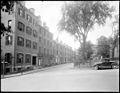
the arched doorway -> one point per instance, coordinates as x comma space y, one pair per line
8, 62
8, 58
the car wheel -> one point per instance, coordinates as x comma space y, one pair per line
114, 67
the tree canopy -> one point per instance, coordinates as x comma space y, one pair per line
103, 48
115, 26
88, 48
79, 17
6, 6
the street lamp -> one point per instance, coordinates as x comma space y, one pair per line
3, 62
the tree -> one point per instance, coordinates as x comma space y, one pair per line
6, 6
79, 17
115, 26
103, 48
115, 41
88, 48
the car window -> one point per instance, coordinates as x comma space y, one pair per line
105, 60
114, 64
106, 63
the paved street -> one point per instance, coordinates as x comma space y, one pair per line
64, 78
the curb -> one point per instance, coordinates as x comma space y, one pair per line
28, 72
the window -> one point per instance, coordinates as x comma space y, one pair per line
51, 52
9, 40
34, 33
39, 49
28, 43
28, 30
48, 51
34, 45
33, 21
21, 12
44, 33
20, 41
44, 50
47, 43
36, 24
20, 58
9, 24
8, 58
50, 44
29, 18
39, 39
21, 26
27, 58
40, 30
44, 41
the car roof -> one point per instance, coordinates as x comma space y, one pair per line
97, 63
104, 62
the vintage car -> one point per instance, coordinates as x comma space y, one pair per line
106, 64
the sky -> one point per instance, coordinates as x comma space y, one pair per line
50, 12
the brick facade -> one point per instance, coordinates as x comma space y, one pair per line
32, 44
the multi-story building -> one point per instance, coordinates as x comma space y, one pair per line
45, 46
30, 44
24, 39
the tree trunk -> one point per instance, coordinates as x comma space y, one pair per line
84, 48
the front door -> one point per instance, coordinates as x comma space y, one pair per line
34, 60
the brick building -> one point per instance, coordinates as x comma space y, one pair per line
30, 44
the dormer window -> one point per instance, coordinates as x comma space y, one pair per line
21, 12
29, 18
34, 33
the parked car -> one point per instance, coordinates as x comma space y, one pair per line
106, 65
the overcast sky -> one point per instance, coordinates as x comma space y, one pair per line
50, 12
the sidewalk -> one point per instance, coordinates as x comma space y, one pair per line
28, 72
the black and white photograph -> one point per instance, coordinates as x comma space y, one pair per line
59, 46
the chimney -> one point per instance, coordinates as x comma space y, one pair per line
32, 10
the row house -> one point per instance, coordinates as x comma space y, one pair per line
30, 44
45, 53
19, 48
